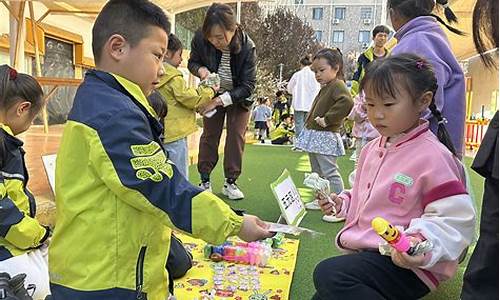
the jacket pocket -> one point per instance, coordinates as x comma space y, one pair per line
139, 274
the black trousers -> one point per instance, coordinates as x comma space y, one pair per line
365, 275
481, 275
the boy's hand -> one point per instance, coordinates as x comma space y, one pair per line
327, 206
253, 229
203, 72
216, 88
406, 261
321, 121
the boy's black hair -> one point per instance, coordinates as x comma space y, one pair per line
280, 93
158, 104
334, 58
417, 8
416, 76
284, 117
380, 28
174, 43
128, 18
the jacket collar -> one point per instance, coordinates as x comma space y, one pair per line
407, 137
125, 86
10, 136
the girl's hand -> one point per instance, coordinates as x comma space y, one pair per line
203, 72
321, 121
406, 261
327, 206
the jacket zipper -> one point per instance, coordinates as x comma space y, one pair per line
139, 273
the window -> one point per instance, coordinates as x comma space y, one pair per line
317, 13
366, 13
338, 36
340, 13
318, 34
364, 36
299, 1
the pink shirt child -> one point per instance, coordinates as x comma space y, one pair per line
415, 183
362, 127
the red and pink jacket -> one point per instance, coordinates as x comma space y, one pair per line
415, 183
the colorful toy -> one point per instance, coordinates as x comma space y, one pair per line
254, 253
392, 235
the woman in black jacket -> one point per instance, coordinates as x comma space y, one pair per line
222, 47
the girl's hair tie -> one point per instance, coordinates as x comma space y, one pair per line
420, 65
12, 74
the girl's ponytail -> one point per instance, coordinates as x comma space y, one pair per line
449, 14
442, 133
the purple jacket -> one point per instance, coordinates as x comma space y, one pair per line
423, 36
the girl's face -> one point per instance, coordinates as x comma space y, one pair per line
395, 115
174, 58
20, 117
220, 38
323, 71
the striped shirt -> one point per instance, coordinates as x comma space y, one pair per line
226, 79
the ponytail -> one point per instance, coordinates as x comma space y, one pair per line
442, 133
452, 29
449, 14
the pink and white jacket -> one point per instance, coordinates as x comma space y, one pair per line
415, 183
362, 127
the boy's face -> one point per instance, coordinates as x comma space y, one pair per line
142, 64
380, 39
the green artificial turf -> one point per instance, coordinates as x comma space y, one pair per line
262, 165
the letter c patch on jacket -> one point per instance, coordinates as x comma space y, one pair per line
398, 188
150, 162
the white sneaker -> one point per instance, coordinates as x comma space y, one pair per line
207, 186
232, 191
332, 219
313, 205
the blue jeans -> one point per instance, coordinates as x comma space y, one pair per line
178, 154
299, 118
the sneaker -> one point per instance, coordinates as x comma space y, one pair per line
332, 219
207, 186
313, 205
232, 191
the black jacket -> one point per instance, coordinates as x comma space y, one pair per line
243, 60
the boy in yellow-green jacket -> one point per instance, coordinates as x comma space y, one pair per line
182, 102
283, 132
117, 196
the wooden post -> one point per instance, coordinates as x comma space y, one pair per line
38, 66
17, 40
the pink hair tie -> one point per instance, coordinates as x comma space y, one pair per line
12, 74
420, 65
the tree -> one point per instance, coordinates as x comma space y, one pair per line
280, 37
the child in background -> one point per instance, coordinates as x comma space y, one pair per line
280, 105
408, 177
362, 131
182, 103
320, 137
22, 237
261, 115
283, 132
118, 198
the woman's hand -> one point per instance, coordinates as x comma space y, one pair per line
209, 106
203, 73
